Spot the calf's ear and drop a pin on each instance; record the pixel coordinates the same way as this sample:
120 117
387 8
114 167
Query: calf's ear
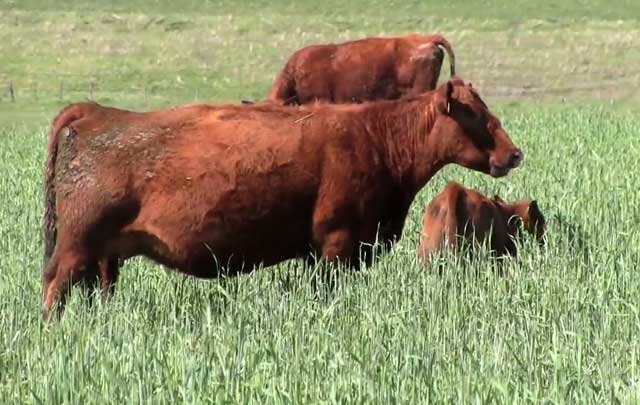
443 97
535 222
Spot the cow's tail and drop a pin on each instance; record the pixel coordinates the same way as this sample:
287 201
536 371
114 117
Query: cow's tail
49 220
441 41
283 89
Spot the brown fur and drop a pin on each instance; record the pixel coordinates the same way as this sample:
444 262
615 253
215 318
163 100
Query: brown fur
362 70
65 117
204 189
458 212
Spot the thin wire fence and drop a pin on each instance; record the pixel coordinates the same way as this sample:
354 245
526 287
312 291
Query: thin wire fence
601 84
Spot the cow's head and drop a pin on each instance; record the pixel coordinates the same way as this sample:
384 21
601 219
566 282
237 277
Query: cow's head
525 214
469 133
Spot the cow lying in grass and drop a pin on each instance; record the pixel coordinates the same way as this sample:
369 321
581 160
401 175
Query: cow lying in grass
362 70
460 215
205 189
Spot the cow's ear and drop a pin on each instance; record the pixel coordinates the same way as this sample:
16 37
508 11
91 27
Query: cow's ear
534 212
443 96
535 221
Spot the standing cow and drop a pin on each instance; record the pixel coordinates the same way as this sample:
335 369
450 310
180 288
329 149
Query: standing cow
203 189
362 70
461 214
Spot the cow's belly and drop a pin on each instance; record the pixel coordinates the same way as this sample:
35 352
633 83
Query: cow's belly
230 235
213 257
240 245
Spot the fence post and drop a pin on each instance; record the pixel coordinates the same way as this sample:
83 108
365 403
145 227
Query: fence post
12 92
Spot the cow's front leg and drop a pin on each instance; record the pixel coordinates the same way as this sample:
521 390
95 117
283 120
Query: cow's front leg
338 246
109 271
334 240
334 248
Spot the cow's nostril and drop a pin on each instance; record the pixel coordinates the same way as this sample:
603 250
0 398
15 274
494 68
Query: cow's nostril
516 158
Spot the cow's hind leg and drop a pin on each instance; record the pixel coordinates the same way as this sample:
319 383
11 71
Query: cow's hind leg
109 272
90 280
101 274
66 267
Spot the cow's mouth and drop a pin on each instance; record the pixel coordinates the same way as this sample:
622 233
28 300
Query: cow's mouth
499 171
496 169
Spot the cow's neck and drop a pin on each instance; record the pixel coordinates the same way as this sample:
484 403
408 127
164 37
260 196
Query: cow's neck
508 211
512 210
400 130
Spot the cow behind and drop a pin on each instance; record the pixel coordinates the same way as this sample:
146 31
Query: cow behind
206 189
460 215
362 70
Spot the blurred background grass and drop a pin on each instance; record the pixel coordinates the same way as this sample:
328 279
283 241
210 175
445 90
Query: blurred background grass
148 54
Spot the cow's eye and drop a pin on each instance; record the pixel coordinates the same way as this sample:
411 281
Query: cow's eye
467 111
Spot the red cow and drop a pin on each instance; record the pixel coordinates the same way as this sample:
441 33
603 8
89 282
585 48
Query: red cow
204 189
357 71
460 213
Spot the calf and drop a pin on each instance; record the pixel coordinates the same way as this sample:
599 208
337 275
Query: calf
357 71
204 189
460 213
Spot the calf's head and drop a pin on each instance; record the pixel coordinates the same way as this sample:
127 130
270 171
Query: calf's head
469 134
523 214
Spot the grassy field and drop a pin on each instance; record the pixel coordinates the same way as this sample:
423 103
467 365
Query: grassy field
561 327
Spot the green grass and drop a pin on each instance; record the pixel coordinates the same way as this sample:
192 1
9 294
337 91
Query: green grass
562 326
493 9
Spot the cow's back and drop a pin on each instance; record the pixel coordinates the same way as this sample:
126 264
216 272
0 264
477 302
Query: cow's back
459 214
439 223
365 70
353 71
